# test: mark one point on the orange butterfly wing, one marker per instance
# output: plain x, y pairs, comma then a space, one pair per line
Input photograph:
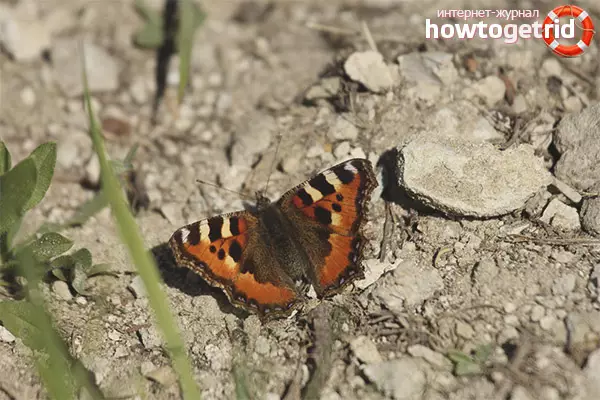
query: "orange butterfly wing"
334, 202
220, 249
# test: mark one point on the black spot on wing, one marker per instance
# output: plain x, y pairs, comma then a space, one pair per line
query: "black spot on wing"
194, 237
320, 183
215, 224
212, 249
234, 225
221, 254
235, 251
336, 207
344, 175
339, 197
305, 197
323, 215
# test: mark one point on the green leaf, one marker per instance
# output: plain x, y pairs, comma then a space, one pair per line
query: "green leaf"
83, 259
79, 278
63, 262
190, 18
21, 319
50, 245
44, 157
17, 186
101, 269
151, 34
464, 364
482, 353
59, 274
5, 161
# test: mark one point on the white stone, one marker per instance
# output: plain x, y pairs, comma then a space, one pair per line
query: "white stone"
365, 350
369, 68
24, 38
6, 336
560, 215
62, 290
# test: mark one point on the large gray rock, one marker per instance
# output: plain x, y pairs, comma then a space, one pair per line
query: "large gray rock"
577, 139
470, 179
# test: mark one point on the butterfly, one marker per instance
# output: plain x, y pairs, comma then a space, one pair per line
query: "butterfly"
265, 259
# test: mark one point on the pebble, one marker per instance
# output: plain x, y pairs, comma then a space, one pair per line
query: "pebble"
163, 375
470, 179
485, 271
343, 129
432, 357
510, 307
92, 170
560, 215
62, 290
551, 67
592, 371
537, 313
82, 301
137, 287
28, 96
24, 39
590, 215
101, 67
520, 393
6, 336
491, 89
564, 285
262, 345
576, 140
138, 90
547, 322
401, 379
325, 88
365, 350
519, 105
146, 367
369, 68
150, 337
67, 154
567, 190
572, 104
464, 330
341, 150
114, 335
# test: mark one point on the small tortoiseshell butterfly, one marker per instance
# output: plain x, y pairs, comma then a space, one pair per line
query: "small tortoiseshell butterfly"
265, 259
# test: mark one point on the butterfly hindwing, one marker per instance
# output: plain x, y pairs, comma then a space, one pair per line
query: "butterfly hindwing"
221, 250
333, 202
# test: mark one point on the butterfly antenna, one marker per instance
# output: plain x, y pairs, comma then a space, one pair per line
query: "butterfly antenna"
279, 136
224, 188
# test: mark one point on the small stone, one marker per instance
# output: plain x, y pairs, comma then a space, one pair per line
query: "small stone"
567, 190
369, 68
572, 104
537, 312
509, 307
137, 287
262, 345
315, 151
560, 215
92, 170
365, 350
120, 352
6, 336
519, 105
564, 285
62, 290
432, 357
138, 91
82, 301
28, 96
341, 150
146, 367
101, 67
67, 154
590, 215
592, 372
24, 39
464, 330
150, 337
485, 271
357, 152
402, 379
114, 335
551, 67
343, 129
547, 322
520, 393
491, 89
326, 88
163, 375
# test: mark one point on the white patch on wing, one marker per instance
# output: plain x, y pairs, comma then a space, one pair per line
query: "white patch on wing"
314, 194
184, 234
226, 229
336, 219
350, 167
333, 180
204, 231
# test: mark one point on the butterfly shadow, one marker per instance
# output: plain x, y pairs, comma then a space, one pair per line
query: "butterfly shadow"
188, 282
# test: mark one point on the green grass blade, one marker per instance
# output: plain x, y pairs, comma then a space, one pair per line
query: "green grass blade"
5, 161
190, 18
147, 269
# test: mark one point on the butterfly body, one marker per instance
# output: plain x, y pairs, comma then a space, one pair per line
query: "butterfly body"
265, 259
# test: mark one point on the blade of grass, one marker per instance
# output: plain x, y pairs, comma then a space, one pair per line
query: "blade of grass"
147, 269
190, 17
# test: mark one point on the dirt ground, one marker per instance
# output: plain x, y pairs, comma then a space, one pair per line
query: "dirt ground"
523, 284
